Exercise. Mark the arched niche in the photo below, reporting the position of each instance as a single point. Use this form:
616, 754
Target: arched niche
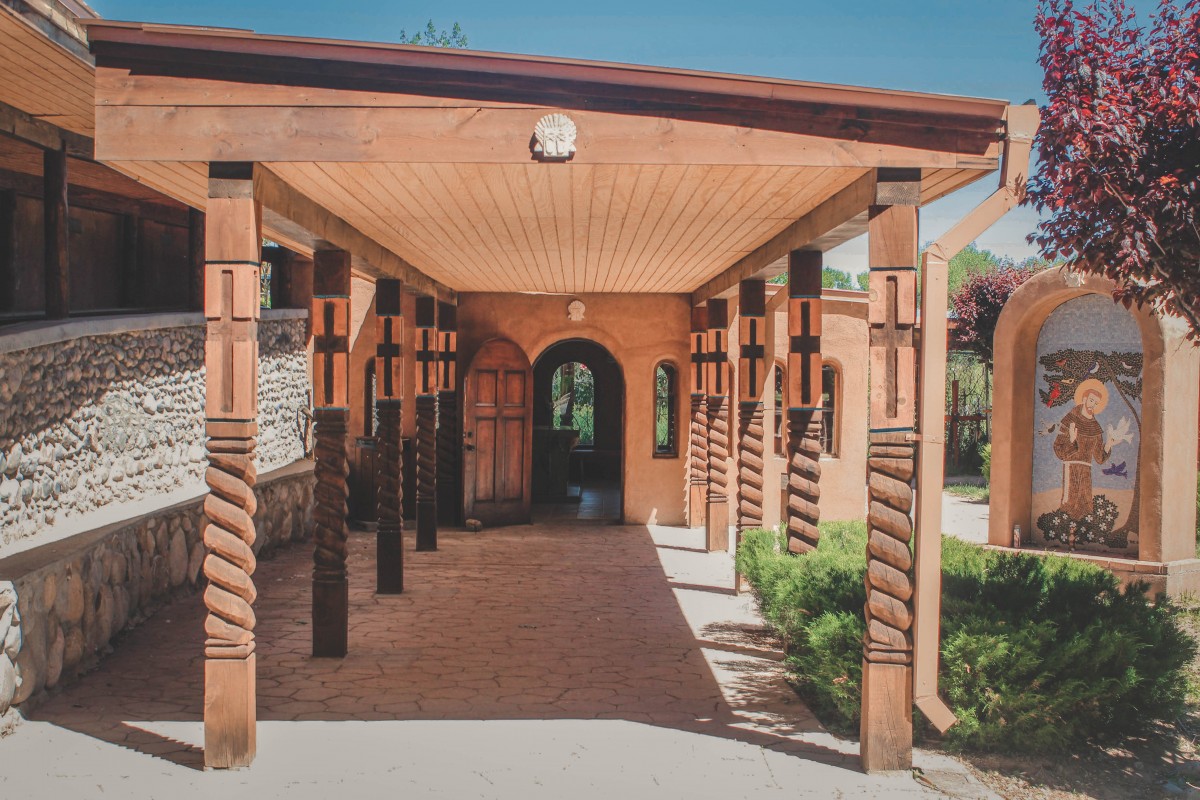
1060, 331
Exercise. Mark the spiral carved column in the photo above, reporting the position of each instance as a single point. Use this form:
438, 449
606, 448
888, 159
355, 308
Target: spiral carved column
331, 412
427, 411
697, 461
231, 310
886, 733
330, 585
803, 477
389, 499
449, 441
751, 447
717, 499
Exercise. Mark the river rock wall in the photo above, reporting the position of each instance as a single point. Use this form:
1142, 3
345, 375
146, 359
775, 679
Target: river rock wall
98, 420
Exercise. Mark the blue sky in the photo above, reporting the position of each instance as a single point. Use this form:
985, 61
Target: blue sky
951, 46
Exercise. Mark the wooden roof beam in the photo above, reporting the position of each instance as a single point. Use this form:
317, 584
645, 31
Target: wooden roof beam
38, 132
300, 219
839, 219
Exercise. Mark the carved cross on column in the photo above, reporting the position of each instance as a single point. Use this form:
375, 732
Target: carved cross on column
887, 649
698, 433
752, 319
389, 388
331, 410
427, 365
231, 311
448, 440
716, 382
804, 400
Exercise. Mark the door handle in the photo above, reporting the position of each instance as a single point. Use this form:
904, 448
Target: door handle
468, 448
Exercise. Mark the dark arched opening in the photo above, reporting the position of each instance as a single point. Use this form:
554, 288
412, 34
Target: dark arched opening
578, 433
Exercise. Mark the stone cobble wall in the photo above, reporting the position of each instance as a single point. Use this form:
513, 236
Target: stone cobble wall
60, 608
108, 419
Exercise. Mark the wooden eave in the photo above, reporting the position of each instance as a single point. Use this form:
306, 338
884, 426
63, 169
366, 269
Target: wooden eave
954, 124
683, 181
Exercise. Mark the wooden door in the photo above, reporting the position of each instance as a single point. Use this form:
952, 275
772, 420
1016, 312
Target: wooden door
498, 435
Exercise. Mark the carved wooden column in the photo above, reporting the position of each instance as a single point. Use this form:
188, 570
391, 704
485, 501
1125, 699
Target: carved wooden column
389, 389
887, 651
804, 400
231, 424
331, 411
752, 368
449, 444
56, 219
716, 383
698, 429
425, 318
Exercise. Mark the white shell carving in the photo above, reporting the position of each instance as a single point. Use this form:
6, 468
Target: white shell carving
575, 311
554, 137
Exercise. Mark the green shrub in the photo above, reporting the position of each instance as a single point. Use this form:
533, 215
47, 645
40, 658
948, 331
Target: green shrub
985, 461
1038, 653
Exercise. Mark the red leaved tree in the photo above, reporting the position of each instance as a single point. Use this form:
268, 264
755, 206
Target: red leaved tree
980, 299
1119, 149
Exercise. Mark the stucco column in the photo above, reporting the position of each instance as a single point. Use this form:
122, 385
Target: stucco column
389, 389
716, 380
331, 411
231, 310
803, 391
425, 318
886, 734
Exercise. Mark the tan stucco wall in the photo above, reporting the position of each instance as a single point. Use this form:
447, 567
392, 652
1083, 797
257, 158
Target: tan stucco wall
1170, 392
844, 339
639, 331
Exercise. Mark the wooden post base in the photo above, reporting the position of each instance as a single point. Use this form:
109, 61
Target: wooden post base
330, 618
696, 504
887, 732
427, 526
389, 558
716, 525
229, 712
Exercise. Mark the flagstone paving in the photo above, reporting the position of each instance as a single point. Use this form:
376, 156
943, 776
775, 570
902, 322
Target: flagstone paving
587, 660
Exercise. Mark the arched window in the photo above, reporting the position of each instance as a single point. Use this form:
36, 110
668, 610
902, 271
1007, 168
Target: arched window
780, 382
830, 380
666, 389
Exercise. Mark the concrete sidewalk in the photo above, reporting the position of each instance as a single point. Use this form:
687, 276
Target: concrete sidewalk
536, 661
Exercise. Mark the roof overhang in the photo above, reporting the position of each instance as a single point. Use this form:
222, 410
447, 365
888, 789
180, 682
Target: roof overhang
679, 176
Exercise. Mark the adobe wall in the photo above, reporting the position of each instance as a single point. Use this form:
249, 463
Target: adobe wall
106, 411
640, 330
1164, 453
844, 345
61, 604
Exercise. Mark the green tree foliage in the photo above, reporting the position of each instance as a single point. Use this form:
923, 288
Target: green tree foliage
1039, 654
864, 281
833, 278
432, 37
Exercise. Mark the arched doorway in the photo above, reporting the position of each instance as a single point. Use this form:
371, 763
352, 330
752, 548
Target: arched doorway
578, 433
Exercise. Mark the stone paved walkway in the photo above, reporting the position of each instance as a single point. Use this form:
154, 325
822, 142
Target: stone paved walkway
530, 661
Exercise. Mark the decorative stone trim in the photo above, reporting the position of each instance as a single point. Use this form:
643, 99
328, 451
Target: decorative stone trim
74, 596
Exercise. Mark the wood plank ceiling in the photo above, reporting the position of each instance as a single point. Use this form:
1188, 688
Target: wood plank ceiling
43, 79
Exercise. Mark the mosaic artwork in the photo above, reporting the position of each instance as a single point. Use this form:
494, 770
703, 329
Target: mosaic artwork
1087, 427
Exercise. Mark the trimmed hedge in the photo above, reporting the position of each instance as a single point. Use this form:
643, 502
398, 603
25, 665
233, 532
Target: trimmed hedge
1039, 653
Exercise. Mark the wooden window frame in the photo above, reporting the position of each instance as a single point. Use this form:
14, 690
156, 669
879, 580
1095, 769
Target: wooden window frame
832, 413
671, 449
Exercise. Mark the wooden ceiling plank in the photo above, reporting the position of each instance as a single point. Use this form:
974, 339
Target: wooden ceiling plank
521, 198
747, 203
499, 192
654, 224
840, 209
604, 179
484, 223
541, 209
644, 191
274, 193
583, 192
470, 181
684, 181
462, 236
